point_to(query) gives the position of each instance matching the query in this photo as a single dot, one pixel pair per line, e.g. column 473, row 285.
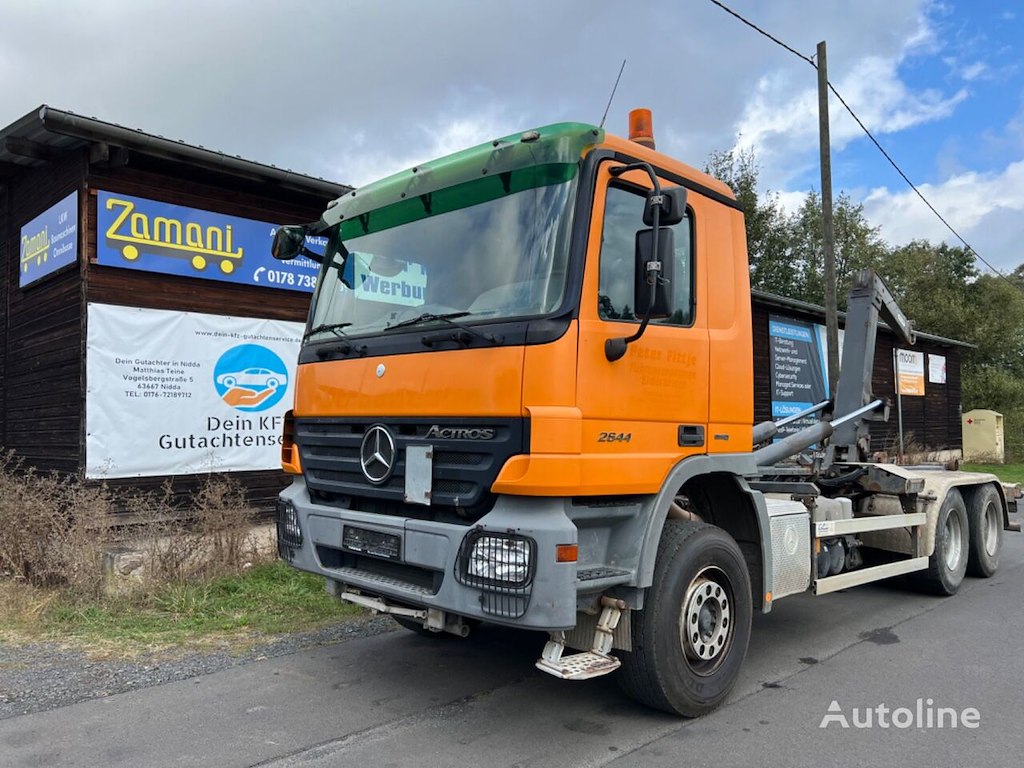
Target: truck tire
column 948, row 563
column 690, row 639
column 985, row 522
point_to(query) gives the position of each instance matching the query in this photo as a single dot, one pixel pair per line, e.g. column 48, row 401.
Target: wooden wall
column 42, row 370
column 932, row 421
column 43, row 335
column 4, row 217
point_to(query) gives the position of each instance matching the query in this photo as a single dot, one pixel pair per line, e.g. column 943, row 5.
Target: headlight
column 501, row 565
column 496, row 560
column 500, row 559
column 289, row 533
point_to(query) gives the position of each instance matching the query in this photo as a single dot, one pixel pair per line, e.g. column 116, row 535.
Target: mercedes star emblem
column 377, row 454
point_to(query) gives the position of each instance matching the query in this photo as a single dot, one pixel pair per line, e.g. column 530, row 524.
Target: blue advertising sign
column 49, row 241
column 799, row 375
column 136, row 233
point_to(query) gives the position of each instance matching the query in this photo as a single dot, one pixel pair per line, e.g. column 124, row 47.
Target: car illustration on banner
column 250, row 377
column 258, row 377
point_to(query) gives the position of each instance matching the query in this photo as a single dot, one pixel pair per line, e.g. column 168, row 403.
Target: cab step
column 578, row 666
column 593, row 663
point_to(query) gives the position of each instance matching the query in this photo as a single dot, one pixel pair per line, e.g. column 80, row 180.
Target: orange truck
column 525, row 397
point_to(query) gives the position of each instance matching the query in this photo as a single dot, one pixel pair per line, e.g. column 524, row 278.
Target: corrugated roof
column 30, row 141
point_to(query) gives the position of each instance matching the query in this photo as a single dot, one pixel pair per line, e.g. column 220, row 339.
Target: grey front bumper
column 429, row 549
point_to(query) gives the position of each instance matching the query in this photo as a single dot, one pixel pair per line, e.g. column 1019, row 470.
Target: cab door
column 650, row 406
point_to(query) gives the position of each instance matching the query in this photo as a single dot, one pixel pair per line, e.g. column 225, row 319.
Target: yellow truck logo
column 133, row 232
column 35, row 247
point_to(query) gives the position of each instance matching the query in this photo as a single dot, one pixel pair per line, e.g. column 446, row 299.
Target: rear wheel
column 985, row 522
column 948, row 563
column 691, row 637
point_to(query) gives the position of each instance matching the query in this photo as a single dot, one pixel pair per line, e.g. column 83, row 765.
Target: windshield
column 492, row 248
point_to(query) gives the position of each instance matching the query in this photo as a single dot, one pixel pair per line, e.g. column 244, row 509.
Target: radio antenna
column 614, row 87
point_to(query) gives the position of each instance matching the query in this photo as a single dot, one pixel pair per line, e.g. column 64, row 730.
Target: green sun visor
column 554, row 150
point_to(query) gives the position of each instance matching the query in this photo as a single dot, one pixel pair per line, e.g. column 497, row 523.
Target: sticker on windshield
column 391, row 281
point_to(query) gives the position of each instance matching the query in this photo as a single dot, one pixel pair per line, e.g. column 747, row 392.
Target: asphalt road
column 401, row 700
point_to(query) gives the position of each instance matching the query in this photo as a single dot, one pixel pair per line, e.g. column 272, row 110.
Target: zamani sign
column 180, row 393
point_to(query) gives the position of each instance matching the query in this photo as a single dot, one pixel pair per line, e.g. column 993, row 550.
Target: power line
column 868, row 133
column 770, row 36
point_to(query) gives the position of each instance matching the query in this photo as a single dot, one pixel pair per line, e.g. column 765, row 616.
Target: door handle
column 691, row 436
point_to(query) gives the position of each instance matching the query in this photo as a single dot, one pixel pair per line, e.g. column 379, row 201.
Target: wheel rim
column 706, row 623
column 954, row 541
column 992, row 524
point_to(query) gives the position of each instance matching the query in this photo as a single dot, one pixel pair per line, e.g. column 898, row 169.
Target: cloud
column 781, row 119
column 356, row 90
column 974, row 70
column 349, row 90
column 987, row 209
column 360, row 163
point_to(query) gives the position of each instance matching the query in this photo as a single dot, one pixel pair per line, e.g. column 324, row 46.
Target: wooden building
column 49, row 155
column 930, row 420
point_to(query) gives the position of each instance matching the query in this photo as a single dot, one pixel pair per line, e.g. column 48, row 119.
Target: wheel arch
column 939, row 484
column 718, row 488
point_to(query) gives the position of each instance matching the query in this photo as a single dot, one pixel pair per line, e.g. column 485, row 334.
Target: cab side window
column 623, row 217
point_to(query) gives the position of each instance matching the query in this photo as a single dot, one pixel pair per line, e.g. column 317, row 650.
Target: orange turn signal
column 641, row 127
column 289, row 451
column 567, row 553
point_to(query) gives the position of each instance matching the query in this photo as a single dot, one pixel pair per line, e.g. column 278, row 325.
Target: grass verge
column 266, row 599
column 1008, row 473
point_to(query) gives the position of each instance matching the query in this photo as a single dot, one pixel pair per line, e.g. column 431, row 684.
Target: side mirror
column 662, row 306
column 673, row 207
column 289, row 242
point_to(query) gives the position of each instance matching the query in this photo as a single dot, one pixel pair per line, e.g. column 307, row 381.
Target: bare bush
column 56, row 528
column 224, row 520
column 209, row 537
column 52, row 527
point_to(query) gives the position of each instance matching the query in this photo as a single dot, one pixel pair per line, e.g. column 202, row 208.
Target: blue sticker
column 49, row 241
column 250, row 378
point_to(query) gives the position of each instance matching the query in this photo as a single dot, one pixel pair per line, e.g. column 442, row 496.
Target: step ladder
column 593, row 663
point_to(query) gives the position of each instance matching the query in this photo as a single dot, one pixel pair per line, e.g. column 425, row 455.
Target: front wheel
column 691, row 637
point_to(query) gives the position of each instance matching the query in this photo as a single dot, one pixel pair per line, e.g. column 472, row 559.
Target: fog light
column 289, row 533
column 500, row 558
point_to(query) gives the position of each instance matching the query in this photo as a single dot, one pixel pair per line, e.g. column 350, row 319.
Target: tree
column 931, row 284
column 857, row 246
column 771, row 269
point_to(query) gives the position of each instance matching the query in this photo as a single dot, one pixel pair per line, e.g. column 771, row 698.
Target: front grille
column 463, row 469
column 381, row 572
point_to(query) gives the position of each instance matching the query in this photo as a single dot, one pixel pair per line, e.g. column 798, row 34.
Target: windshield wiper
column 334, row 328
column 449, row 319
column 427, row 317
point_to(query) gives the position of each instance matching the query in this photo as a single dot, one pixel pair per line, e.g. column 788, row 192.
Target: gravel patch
column 39, row 676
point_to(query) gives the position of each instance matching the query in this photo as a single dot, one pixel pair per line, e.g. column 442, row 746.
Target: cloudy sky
column 355, row 89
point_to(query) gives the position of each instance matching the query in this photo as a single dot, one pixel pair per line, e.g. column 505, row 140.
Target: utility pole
column 828, row 234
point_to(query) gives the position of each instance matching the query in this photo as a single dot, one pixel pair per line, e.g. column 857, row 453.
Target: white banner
column 179, row 393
